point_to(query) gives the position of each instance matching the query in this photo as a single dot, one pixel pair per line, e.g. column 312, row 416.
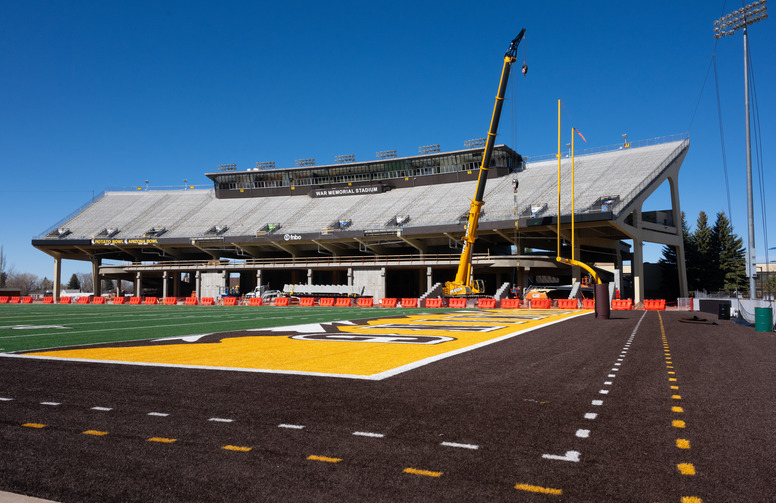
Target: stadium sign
column 111, row 242
column 347, row 191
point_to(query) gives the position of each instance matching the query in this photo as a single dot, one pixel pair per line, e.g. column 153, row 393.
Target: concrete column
column 138, row 284
column 198, row 282
column 638, row 271
column 96, row 278
column 429, row 279
column 258, row 277
column 350, row 276
column 164, row 284
column 57, row 278
column 681, row 266
column 309, row 276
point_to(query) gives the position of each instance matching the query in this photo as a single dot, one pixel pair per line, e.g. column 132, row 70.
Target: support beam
column 96, row 278
column 57, row 278
column 415, row 244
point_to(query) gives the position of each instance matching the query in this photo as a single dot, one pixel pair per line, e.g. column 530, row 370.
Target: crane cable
column 722, row 137
column 758, row 151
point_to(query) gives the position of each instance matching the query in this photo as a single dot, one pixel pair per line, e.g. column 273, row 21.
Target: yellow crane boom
column 463, row 283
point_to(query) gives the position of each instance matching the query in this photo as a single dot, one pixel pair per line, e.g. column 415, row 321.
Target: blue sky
column 109, row 94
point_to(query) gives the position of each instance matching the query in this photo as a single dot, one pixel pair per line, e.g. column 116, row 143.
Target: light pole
column 727, row 25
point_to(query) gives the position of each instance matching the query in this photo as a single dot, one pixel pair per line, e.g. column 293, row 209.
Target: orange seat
column 541, row 304
column 588, row 304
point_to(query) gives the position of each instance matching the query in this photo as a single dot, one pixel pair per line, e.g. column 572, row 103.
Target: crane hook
column 525, row 69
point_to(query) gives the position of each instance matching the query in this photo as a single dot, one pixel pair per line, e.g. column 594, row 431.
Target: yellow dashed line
column 686, row 468
column 425, row 473
column 325, row 459
column 682, row 443
column 677, row 423
column 236, row 448
column 538, row 489
column 677, row 409
column 161, row 440
column 672, row 379
column 674, row 387
column 676, row 397
column 95, row 433
column 34, row 425
column 691, row 499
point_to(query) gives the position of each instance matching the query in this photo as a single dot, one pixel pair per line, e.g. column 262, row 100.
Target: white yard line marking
column 591, row 415
column 158, row 414
column 368, row 434
column 291, row 426
column 597, row 402
column 53, row 404
column 572, row 456
column 582, row 433
column 460, row 446
column 220, row 420
column 102, row 409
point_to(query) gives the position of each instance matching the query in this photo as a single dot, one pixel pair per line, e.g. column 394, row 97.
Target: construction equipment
column 463, row 284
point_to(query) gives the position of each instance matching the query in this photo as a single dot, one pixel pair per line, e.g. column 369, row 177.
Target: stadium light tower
column 727, row 25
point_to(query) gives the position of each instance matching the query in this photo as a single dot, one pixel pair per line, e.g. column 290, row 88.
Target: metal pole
column 751, row 254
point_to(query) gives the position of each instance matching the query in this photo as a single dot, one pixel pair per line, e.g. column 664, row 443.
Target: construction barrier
column 208, row 301
column 135, row 301
column 433, row 302
column 4, row 299
column 26, row 300
column 366, row 302
column 48, row 300
column 389, row 302
column 191, row 301
column 150, row 300
column 588, row 303
column 343, row 302
column 486, row 303
column 510, row 303
column 255, row 301
column 119, row 300
column 568, row 304
column 326, row 301
column 541, row 304
column 82, row 300
column 457, row 302
column 229, row 301
column 65, row 300
column 16, row 300
column 170, row 301
column 409, row 302
column 98, row 300
column 622, row 304
column 281, row 301
column 655, row 305
column 307, row 301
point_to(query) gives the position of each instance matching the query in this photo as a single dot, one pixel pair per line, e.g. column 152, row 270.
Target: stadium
column 391, row 227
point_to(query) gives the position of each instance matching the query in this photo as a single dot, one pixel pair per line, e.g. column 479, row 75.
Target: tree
column 3, row 267
column 732, row 264
column 705, row 265
column 46, row 284
column 25, row 282
column 85, row 279
column 74, row 284
column 668, row 262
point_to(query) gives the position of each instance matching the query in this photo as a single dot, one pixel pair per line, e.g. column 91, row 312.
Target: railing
column 72, row 215
column 611, row 148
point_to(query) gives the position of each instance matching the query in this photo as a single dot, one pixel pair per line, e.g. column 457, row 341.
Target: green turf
column 22, row 326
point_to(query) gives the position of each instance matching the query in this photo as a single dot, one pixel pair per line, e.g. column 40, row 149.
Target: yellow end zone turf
column 380, row 348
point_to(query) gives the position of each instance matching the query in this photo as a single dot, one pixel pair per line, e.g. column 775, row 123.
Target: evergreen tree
column 74, row 284
column 732, row 262
column 705, row 259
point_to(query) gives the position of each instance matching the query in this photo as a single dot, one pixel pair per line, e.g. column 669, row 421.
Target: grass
column 36, row 326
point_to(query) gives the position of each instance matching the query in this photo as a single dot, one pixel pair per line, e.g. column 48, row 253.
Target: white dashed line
column 102, row 409
column 591, row 415
column 604, row 391
column 597, row 402
column 158, row 414
column 53, row 404
column 572, row 456
column 368, row 434
column 607, row 383
column 291, row 426
column 6, row 399
column 460, row 446
column 220, row 420
column 583, row 433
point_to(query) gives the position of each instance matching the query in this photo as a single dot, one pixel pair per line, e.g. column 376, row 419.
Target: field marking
column 460, row 446
column 95, row 433
column 538, row 489
column 425, row 473
column 368, row 434
column 34, row 425
column 237, row 448
column 572, row 456
column 162, row 440
column 325, row 459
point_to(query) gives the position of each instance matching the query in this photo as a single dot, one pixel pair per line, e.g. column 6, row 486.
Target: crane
column 463, row 283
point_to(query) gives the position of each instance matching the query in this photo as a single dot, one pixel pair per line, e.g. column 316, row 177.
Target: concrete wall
column 373, row 281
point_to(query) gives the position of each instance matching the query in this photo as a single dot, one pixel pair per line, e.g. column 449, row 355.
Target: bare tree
column 3, row 267
column 25, row 282
column 85, row 279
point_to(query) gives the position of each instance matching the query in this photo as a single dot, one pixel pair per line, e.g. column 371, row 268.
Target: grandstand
column 391, row 225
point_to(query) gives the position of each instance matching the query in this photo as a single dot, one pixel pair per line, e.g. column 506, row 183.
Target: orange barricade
column 655, row 305
column 433, row 302
column 65, row 300
column 457, row 302
column 281, row 301
column 230, row 301
column 170, row 301
column 83, row 300
column 48, row 300
column 98, row 300
column 26, row 300
column 4, row 299
column 568, row 304
column 135, row 301
column 343, row 302
column 366, row 302
column 389, row 302
column 208, row 301
column 622, row 305
column 119, row 300
column 486, row 303
column 255, row 301
column 588, row 304
column 326, row 301
column 307, row 301
column 150, row 300
column 510, row 303
column 16, row 300
column 409, row 302
column 541, row 304
column 191, row 301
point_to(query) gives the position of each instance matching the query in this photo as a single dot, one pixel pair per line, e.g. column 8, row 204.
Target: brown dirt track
column 515, row 400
